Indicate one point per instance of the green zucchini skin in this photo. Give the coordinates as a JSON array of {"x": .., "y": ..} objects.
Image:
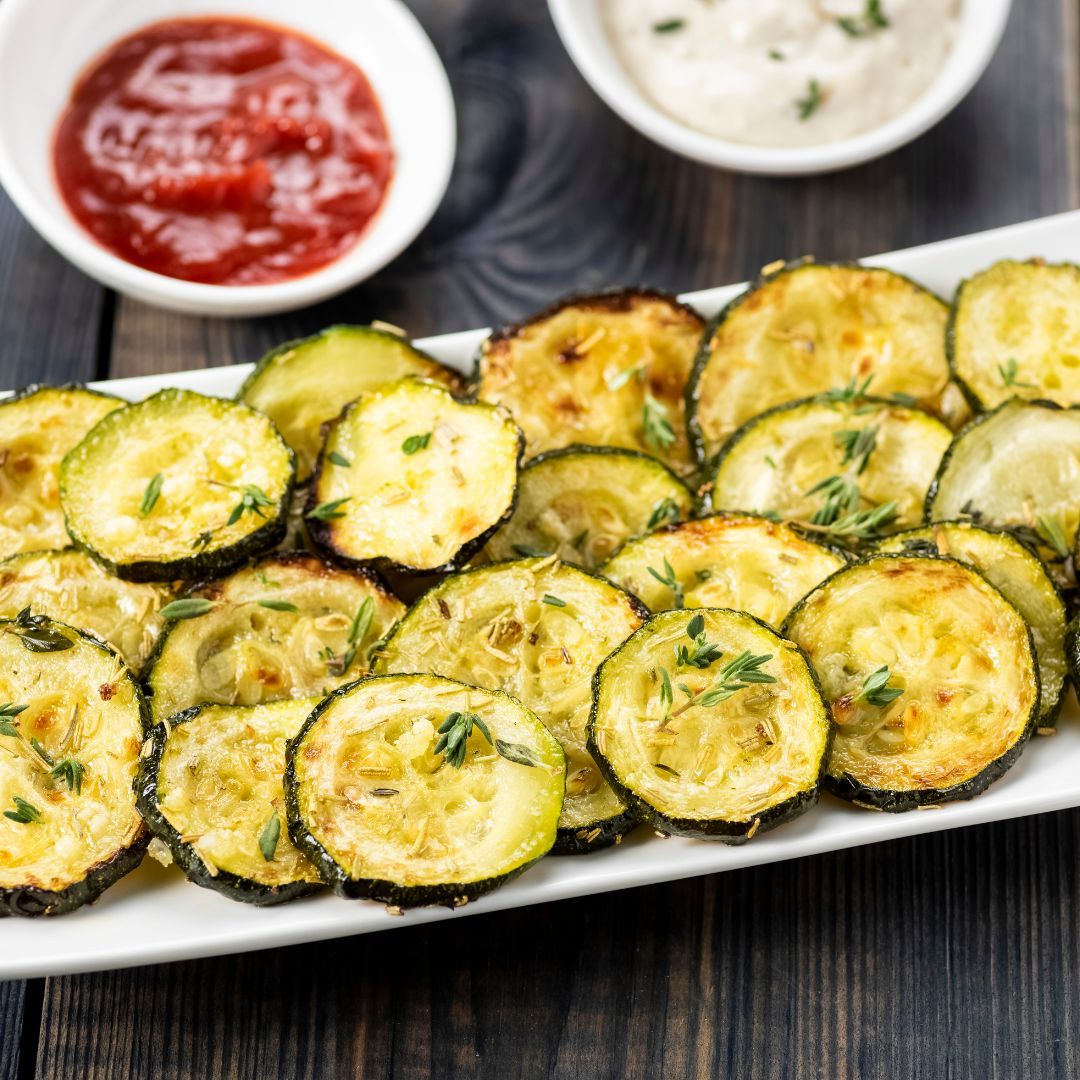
[
  {"x": 224, "y": 882},
  {"x": 31, "y": 901},
  {"x": 452, "y": 895},
  {"x": 1072, "y": 649},
  {"x": 734, "y": 833}
]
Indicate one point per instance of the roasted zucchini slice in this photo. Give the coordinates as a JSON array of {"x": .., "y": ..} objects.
[
  {"x": 1015, "y": 468},
  {"x": 1015, "y": 331},
  {"x": 72, "y": 587},
  {"x": 288, "y": 626},
  {"x": 609, "y": 369},
  {"x": 537, "y": 629},
  {"x": 70, "y": 736},
  {"x": 930, "y": 674},
  {"x": 302, "y": 384},
  {"x": 813, "y": 327},
  {"x": 210, "y": 787},
  {"x": 413, "y": 789},
  {"x": 1013, "y": 569},
  {"x": 727, "y": 560},
  {"x": 411, "y": 477},
  {"x": 847, "y": 470},
  {"x": 581, "y": 503},
  {"x": 177, "y": 486},
  {"x": 708, "y": 724},
  {"x": 38, "y": 426}
]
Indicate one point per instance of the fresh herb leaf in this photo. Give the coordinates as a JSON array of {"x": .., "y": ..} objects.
[
  {"x": 854, "y": 391},
  {"x": 659, "y": 433},
  {"x": 554, "y": 601},
  {"x": 7, "y": 713},
  {"x": 770, "y": 462},
  {"x": 775, "y": 54},
  {"x": 262, "y": 579},
  {"x": 876, "y": 690},
  {"x": 668, "y": 26},
  {"x": 189, "y": 608},
  {"x": 704, "y": 653},
  {"x": 841, "y": 498},
  {"x": 527, "y": 552},
  {"x": 666, "y": 696},
  {"x": 338, "y": 459},
  {"x": 669, "y": 579},
  {"x": 329, "y": 511},
  {"x": 856, "y": 446},
  {"x": 150, "y": 495},
  {"x": 41, "y": 752},
  {"x": 810, "y": 104},
  {"x": 38, "y": 636},
  {"x": 872, "y": 20},
  {"x": 865, "y": 524},
  {"x": 907, "y": 400},
  {"x": 25, "y": 813},
  {"x": 665, "y": 509},
  {"x": 253, "y": 500},
  {"x": 361, "y": 624},
  {"x": 454, "y": 734},
  {"x": 738, "y": 674},
  {"x": 1009, "y": 371},
  {"x": 415, "y": 443},
  {"x": 621, "y": 378},
  {"x": 517, "y": 753},
  {"x": 279, "y": 605},
  {"x": 661, "y": 767},
  {"x": 70, "y": 772},
  {"x": 1050, "y": 530},
  {"x": 268, "y": 838}
]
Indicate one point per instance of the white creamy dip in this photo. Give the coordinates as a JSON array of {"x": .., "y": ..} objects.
[{"x": 782, "y": 72}]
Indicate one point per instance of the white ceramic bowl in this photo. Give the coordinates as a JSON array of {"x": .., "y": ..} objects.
[
  {"x": 45, "y": 44},
  {"x": 579, "y": 24}
]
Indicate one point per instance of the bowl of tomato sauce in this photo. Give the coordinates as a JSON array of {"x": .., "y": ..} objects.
[{"x": 236, "y": 161}]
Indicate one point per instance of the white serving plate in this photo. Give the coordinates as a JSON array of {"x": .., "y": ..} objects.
[{"x": 154, "y": 915}]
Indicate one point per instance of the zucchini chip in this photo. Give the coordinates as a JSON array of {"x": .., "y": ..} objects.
[
  {"x": 848, "y": 470},
  {"x": 302, "y": 384},
  {"x": 177, "y": 486},
  {"x": 1015, "y": 331},
  {"x": 413, "y": 789},
  {"x": 70, "y": 586},
  {"x": 583, "y": 502},
  {"x": 288, "y": 626},
  {"x": 537, "y": 629},
  {"x": 608, "y": 369},
  {"x": 210, "y": 787},
  {"x": 930, "y": 674},
  {"x": 70, "y": 736},
  {"x": 710, "y": 725},
  {"x": 813, "y": 327},
  {"x": 1021, "y": 578},
  {"x": 727, "y": 560},
  {"x": 1016, "y": 468},
  {"x": 38, "y": 426},
  {"x": 411, "y": 477}
]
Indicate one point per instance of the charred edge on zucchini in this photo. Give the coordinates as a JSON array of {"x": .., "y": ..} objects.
[
  {"x": 185, "y": 852},
  {"x": 415, "y": 893},
  {"x": 338, "y": 503},
  {"x": 32, "y": 900},
  {"x": 711, "y": 823},
  {"x": 853, "y": 789}
]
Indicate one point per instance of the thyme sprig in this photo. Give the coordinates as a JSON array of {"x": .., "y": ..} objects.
[
  {"x": 870, "y": 22},
  {"x": 1050, "y": 530},
  {"x": 1009, "y": 372},
  {"x": 70, "y": 772},
  {"x": 8, "y": 712},
  {"x": 329, "y": 511},
  {"x": 253, "y": 500},
  {"x": 25, "y": 813},
  {"x": 703, "y": 653},
  {"x": 38, "y": 636},
  {"x": 810, "y": 104},
  {"x": 735, "y": 675},
  {"x": 190, "y": 607},
  {"x": 856, "y": 445},
  {"x": 361, "y": 624},
  {"x": 849, "y": 394},
  {"x": 454, "y": 733},
  {"x": 415, "y": 443},
  {"x": 669, "y": 579},
  {"x": 151, "y": 495},
  {"x": 665, "y": 509},
  {"x": 876, "y": 690},
  {"x": 659, "y": 434},
  {"x": 268, "y": 838}
]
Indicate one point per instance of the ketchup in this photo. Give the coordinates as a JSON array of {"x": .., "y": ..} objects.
[{"x": 223, "y": 151}]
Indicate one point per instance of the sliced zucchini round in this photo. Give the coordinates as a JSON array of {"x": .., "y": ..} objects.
[
  {"x": 536, "y": 629},
  {"x": 608, "y": 369},
  {"x": 581, "y": 503},
  {"x": 414, "y": 789},
  {"x": 302, "y": 384},
  {"x": 288, "y": 626},
  {"x": 813, "y": 327},
  {"x": 70, "y": 736},
  {"x": 72, "y": 587},
  {"x": 1016, "y": 468},
  {"x": 210, "y": 786},
  {"x": 930, "y": 675},
  {"x": 1072, "y": 649},
  {"x": 1013, "y": 569},
  {"x": 411, "y": 477},
  {"x": 727, "y": 560},
  {"x": 177, "y": 486},
  {"x": 38, "y": 426},
  {"x": 1015, "y": 331},
  {"x": 710, "y": 725},
  {"x": 848, "y": 470}
]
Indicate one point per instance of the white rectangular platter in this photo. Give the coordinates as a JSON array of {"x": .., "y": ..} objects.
[{"x": 154, "y": 915}]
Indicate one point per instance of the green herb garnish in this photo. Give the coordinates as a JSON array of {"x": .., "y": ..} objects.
[
  {"x": 1009, "y": 371},
  {"x": 338, "y": 459},
  {"x": 554, "y": 601},
  {"x": 738, "y": 674},
  {"x": 253, "y": 500},
  {"x": 668, "y": 26},
  {"x": 454, "y": 733},
  {"x": 7, "y": 713},
  {"x": 517, "y": 753},
  {"x": 69, "y": 771},
  {"x": 527, "y": 552},
  {"x": 329, "y": 511},
  {"x": 415, "y": 443},
  {"x": 856, "y": 446},
  {"x": 279, "y": 605},
  {"x": 38, "y": 636},
  {"x": 150, "y": 495},
  {"x": 25, "y": 813},
  {"x": 268, "y": 838},
  {"x": 872, "y": 20},
  {"x": 704, "y": 653},
  {"x": 669, "y": 579},
  {"x": 621, "y": 378},
  {"x": 663, "y": 510},
  {"x": 659, "y": 433},
  {"x": 876, "y": 690},
  {"x": 189, "y": 608},
  {"x": 1050, "y": 530},
  {"x": 847, "y": 395},
  {"x": 810, "y": 104}
]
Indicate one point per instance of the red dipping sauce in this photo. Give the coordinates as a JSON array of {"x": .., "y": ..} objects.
[{"x": 223, "y": 151}]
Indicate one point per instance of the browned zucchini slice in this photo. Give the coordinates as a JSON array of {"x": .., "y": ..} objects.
[
  {"x": 210, "y": 787},
  {"x": 72, "y": 587},
  {"x": 708, "y": 724},
  {"x": 38, "y": 426},
  {"x": 70, "y": 736},
  {"x": 848, "y": 470},
  {"x": 727, "y": 560},
  {"x": 1015, "y": 331},
  {"x": 581, "y": 503},
  {"x": 411, "y": 477},
  {"x": 177, "y": 486},
  {"x": 609, "y": 369},
  {"x": 413, "y": 789},
  {"x": 288, "y": 626},
  {"x": 930, "y": 674},
  {"x": 813, "y": 327},
  {"x": 302, "y": 384},
  {"x": 537, "y": 629}
]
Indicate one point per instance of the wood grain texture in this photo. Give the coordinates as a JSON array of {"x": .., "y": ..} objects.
[{"x": 952, "y": 955}]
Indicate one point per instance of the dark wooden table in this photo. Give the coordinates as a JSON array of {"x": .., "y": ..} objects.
[{"x": 952, "y": 955}]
